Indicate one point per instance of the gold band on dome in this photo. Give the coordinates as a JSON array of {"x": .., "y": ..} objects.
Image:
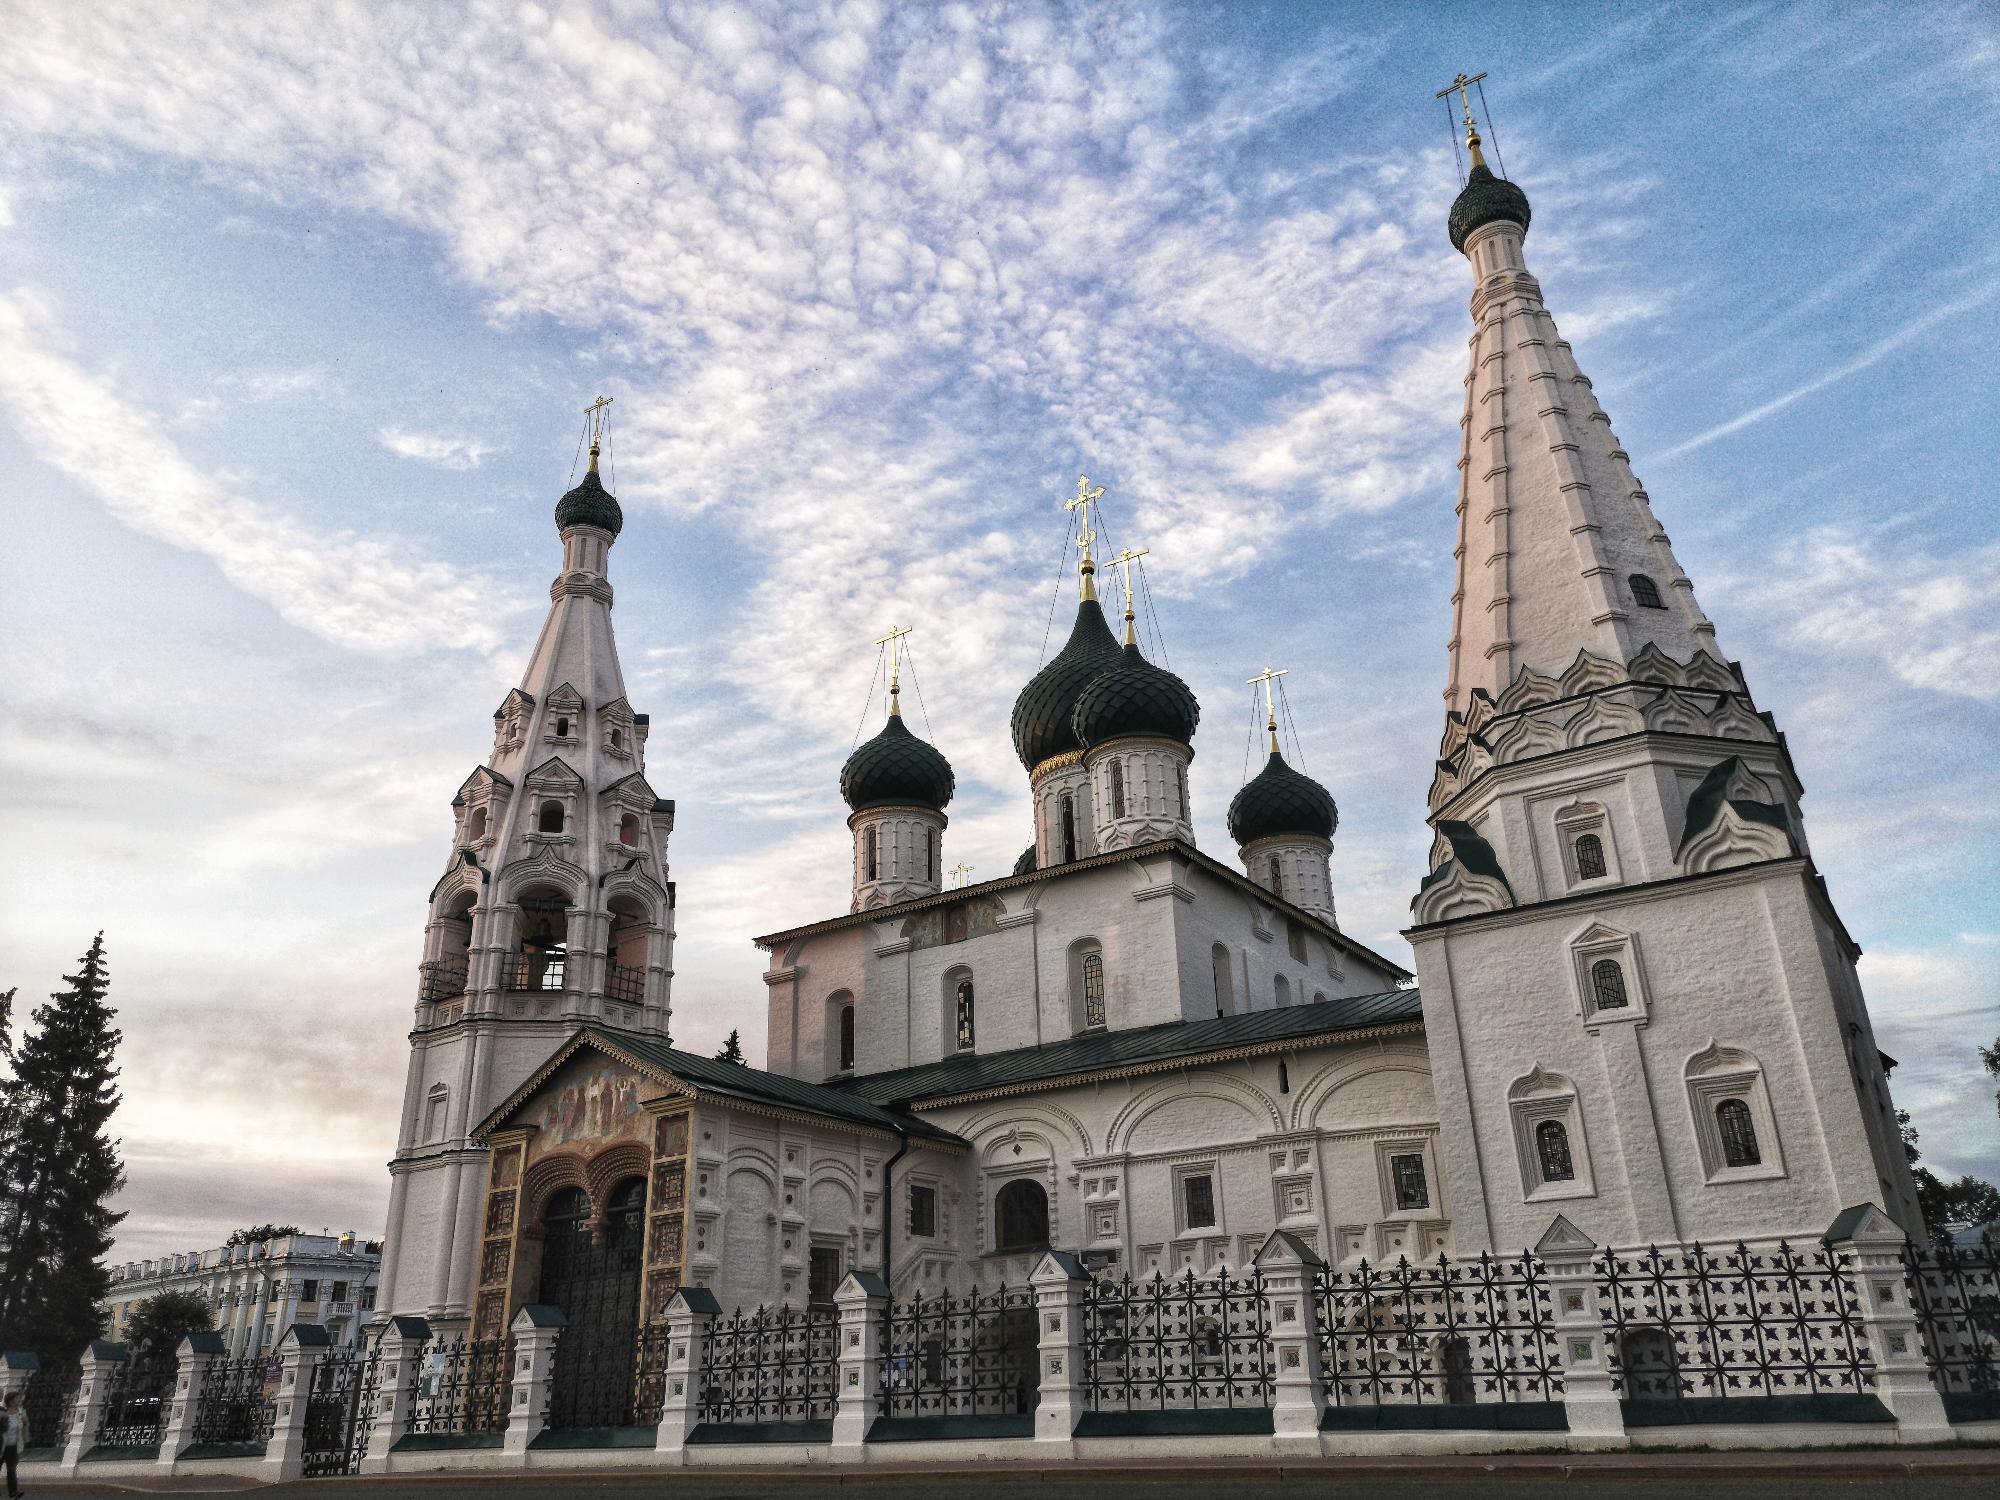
[{"x": 1055, "y": 763}]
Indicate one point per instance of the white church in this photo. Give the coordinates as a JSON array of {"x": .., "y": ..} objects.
[{"x": 1633, "y": 1002}]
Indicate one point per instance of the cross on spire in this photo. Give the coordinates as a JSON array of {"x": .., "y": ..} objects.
[
  {"x": 594, "y": 415},
  {"x": 894, "y": 641},
  {"x": 1459, "y": 86},
  {"x": 959, "y": 872},
  {"x": 1269, "y": 676},
  {"x": 1123, "y": 562},
  {"x": 1086, "y": 496}
]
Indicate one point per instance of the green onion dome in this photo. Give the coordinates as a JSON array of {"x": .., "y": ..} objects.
[
  {"x": 1134, "y": 697},
  {"x": 1041, "y": 721},
  {"x": 896, "y": 769},
  {"x": 1025, "y": 865},
  {"x": 1485, "y": 198},
  {"x": 590, "y": 504},
  {"x": 1279, "y": 800}
]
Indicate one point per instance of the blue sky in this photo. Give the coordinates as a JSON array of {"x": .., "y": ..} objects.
[{"x": 299, "y": 306}]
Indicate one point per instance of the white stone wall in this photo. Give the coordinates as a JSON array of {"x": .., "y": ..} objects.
[
  {"x": 909, "y": 855},
  {"x": 1304, "y": 871},
  {"x": 1065, "y": 777},
  {"x": 1154, "y": 787}
]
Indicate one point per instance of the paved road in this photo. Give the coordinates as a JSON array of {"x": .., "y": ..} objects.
[{"x": 1150, "y": 1485}]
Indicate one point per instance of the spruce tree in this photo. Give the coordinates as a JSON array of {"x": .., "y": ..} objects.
[
  {"x": 732, "y": 1050},
  {"x": 59, "y": 1168}
]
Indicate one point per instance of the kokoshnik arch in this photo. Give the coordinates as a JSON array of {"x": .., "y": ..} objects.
[{"x": 1637, "y": 1005}]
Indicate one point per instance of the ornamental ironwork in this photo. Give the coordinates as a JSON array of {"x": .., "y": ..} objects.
[
  {"x": 237, "y": 1400},
  {"x": 598, "y": 1385},
  {"x": 771, "y": 1365},
  {"x": 1693, "y": 1322},
  {"x": 622, "y": 982},
  {"x": 461, "y": 1387},
  {"x": 1160, "y": 1345},
  {"x": 340, "y": 1406},
  {"x": 1955, "y": 1293},
  {"x": 135, "y": 1399},
  {"x": 971, "y": 1355},
  {"x": 50, "y": 1403},
  {"x": 1444, "y": 1333}
]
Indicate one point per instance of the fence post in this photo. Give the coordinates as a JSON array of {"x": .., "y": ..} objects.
[
  {"x": 17, "y": 1368},
  {"x": 863, "y": 1298},
  {"x": 537, "y": 1328},
  {"x": 1059, "y": 1281},
  {"x": 301, "y": 1349},
  {"x": 1873, "y": 1244},
  {"x": 197, "y": 1352},
  {"x": 1288, "y": 1267},
  {"x": 398, "y": 1350},
  {"x": 99, "y": 1364},
  {"x": 690, "y": 1320},
  {"x": 1590, "y": 1397}
]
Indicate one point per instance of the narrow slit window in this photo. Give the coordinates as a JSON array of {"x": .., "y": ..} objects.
[
  {"x": 868, "y": 845},
  {"x": 1117, "y": 789},
  {"x": 846, "y": 1038},
  {"x": 965, "y": 1016},
  {"x": 1068, "y": 830},
  {"x": 1277, "y": 878},
  {"x": 1093, "y": 989}
]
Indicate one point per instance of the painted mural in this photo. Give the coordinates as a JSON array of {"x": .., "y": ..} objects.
[{"x": 594, "y": 1107}]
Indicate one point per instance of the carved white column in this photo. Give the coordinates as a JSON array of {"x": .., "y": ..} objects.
[
  {"x": 537, "y": 1327},
  {"x": 1291, "y": 1312},
  {"x": 863, "y": 1298},
  {"x": 397, "y": 1353},
  {"x": 1873, "y": 1243},
  {"x": 301, "y": 1349},
  {"x": 197, "y": 1352},
  {"x": 690, "y": 1319},
  {"x": 1059, "y": 1281},
  {"x": 1590, "y": 1396}
]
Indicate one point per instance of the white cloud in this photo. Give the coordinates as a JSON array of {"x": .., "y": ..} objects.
[
  {"x": 357, "y": 592},
  {"x": 445, "y": 450}
]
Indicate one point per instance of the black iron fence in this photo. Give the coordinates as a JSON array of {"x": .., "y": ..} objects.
[
  {"x": 49, "y": 1402},
  {"x": 1955, "y": 1293},
  {"x": 772, "y": 1365},
  {"x": 135, "y": 1403},
  {"x": 1445, "y": 1333},
  {"x": 970, "y": 1355},
  {"x": 601, "y": 1384},
  {"x": 340, "y": 1404},
  {"x": 623, "y": 983},
  {"x": 443, "y": 978},
  {"x": 237, "y": 1401},
  {"x": 1195, "y": 1343},
  {"x": 461, "y": 1387},
  {"x": 1695, "y": 1323}
]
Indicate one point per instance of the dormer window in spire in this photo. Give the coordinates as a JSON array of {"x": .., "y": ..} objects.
[
  {"x": 475, "y": 826},
  {"x": 628, "y": 830},
  {"x": 1645, "y": 593},
  {"x": 550, "y": 818}
]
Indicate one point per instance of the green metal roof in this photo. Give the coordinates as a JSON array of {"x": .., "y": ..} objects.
[
  {"x": 977, "y": 1072},
  {"x": 712, "y": 1076}
]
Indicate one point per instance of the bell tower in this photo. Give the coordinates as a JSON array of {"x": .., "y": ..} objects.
[
  {"x": 555, "y": 910},
  {"x": 1643, "y": 1010}
]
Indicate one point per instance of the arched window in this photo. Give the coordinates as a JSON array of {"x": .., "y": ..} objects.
[
  {"x": 628, "y": 830},
  {"x": 1020, "y": 1216},
  {"x": 1068, "y": 829},
  {"x": 869, "y": 862},
  {"x": 1282, "y": 991},
  {"x": 1607, "y": 984},
  {"x": 963, "y": 1000},
  {"x": 1277, "y": 877},
  {"x": 1739, "y": 1135},
  {"x": 1645, "y": 593},
  {"x": 1589, "y": 857},
  {"x": 1180, "y": 785},
  {"x": 476, "y": 829},
  {"x": 930, "y": 856},
  {"x": 846, "y": 1037},
  {"x": 1117, "y": 789},
  {"x": 436, "y": 1107},
  {"x": 1218, "y": 962},
  {"x": 551, "y": 820},
  {"x": 1093, "y": 989},
  {"x": 1552, "y": 1146}
]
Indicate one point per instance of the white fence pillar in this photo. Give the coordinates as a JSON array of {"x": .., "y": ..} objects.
[
  {"x": 690, "y": 1320},
  {"x": 398, "y": 1350},
  {"x": 537, "y": 1329},
  {"x": 17, "y": 1368},
  {"x": 197, "y": 1352},
  {"x": 1060, "y": 1282},
  {"x": 100, "y": 1363},
  {"x": 1590, "y": 1396},
  {"x": 1291, "y": 1309},
  {"x": 863, "y": 1298},
  {"x": 301, "y": 1349},
  {"x": 1873, "y": 1244}
]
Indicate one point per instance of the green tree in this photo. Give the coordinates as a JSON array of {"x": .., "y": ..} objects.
[
  {"x": 59, "y": 1168},
  {"x": 732, "y": 1050},
  {"x": 154, "y": 1332},
  {"x": 258, "y": 1233},
  {"x": 1966, "y": 1203}
]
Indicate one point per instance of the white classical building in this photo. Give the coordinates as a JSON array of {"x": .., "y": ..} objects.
[
  {"x": 258, "y": 1288},
  {"x": 1637, "y": 1007}
]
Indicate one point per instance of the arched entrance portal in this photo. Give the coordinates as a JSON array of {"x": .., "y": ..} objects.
[{"x": 591, "y": 1271}]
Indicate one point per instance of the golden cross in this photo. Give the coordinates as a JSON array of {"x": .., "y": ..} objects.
[
  {"x": 894, "y": 641},
  {"x": 959, "y": 871},
  {"x": 1459, "y": 86},
  {"x": 1268, "y": 676},
  {"x": 1123, "y": 561},
  {"x": 595, "y": 412},
  {"x": 1085, "y": 498}
]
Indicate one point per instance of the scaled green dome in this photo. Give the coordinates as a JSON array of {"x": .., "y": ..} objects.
[
  {"x": 1041, "y": 721},
  {"x": 590, "y": 504},
  {"x": 896, "y": 769},
  {"x": 1485, "y": 199},
  {"x": 1134, "y": 697},
  {"x": 1279, "y": 800}
]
